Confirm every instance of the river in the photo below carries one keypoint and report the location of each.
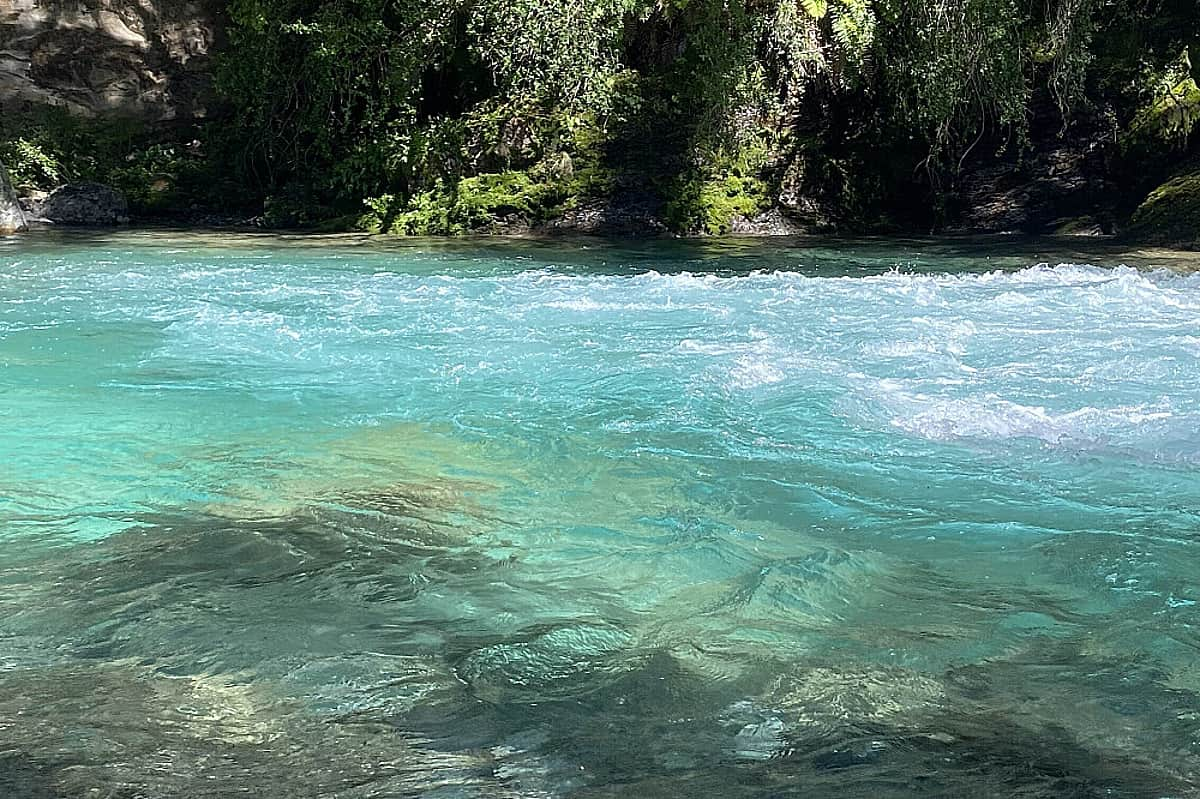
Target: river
(308, 517)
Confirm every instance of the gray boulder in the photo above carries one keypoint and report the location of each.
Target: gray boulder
(12, 218)
(92, 204)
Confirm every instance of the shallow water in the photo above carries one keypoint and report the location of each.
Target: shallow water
(335, 517)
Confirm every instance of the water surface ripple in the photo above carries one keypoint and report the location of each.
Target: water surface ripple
(307, 519)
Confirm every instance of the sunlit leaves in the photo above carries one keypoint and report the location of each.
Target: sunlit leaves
(815, 8)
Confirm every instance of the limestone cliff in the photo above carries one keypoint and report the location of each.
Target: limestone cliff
(143, 58)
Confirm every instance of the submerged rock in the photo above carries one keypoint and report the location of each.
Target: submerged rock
(92, 204)
(559, 662)
(12, 218)
(821, 699)
(126, 729)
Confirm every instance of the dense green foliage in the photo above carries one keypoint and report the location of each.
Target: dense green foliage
(449, 116)
(160, 171)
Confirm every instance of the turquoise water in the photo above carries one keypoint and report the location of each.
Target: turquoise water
(330, 517)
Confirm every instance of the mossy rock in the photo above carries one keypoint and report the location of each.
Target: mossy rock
(489, 202)
(479, 203)
(711, 206)
(1170, 215)
(1079, 226)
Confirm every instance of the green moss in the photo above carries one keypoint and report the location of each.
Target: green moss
(1077, 226)
(1172, 113)
(726, 183)
(710, 206)
(479, 203)
(483, 200)
(488, 202)
(512, 189)
(1171, 213)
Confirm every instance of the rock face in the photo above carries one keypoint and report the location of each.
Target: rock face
(1053, 187)
(772, 222)
(636, 214)
(142, 58)
(1060, 184)
(91, 204)
(12, 218)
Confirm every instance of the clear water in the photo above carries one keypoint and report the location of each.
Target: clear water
(302, 518)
